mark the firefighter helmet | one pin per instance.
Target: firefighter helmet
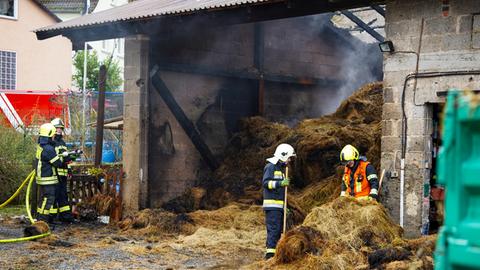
(58, 123)
(284, 151)
(47, 130)
(349, 153)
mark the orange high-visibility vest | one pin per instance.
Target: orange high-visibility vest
(361, 184)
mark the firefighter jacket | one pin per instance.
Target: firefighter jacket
(47, 162)
(273, 192)
(360, 181)
(60, 147)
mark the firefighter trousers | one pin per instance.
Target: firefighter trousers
(62, 205)
(46, 202)
(274, 223)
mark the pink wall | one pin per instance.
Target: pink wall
(45, 64)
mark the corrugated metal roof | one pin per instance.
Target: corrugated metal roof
(68, 6)
(142, 9)
(44, 8)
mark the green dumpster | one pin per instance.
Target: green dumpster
(458, 243)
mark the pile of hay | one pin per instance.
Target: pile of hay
(346, 234)
(154, 222)
(317, 143)
(236, 226)
(98, 205)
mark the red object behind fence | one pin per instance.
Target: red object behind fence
(29, 109)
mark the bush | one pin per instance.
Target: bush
(17, 152)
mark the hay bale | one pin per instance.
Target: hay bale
(37, 228)
(386, 255)
(297, 243)
(151, 222)
(341, 234)
(98, 205)
(345, 219)
(319, 193)
(235, 215)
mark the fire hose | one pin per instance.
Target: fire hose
(28, 180)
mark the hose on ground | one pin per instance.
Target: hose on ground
(28, 180)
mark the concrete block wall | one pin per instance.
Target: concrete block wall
(430, 40)
(136, 119)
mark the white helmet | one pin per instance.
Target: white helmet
(284, 151)
(58, 123)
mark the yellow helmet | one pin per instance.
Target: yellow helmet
(47, 130)
(58, 123)
(349, 153)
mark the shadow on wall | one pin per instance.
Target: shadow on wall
(236, 99)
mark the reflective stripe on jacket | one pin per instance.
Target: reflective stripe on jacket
(47, 162)
(273, 192)
(60, 147)
(364, 181)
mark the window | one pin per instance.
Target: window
(8, 9)
(8, 70)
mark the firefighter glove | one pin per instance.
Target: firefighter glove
(285, 182)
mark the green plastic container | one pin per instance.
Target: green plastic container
(458, 243)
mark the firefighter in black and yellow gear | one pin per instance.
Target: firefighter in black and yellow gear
(46, 172)
(274, 183)
(359, 178)
(62, 205)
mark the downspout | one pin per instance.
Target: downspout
(402, 185)
(404, 128)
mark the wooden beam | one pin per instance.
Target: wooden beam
(249, 75)
(183, 120)
(258, 60)
(363, 25)
(379, 9)
(102, 78)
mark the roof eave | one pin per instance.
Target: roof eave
(231, 15)
(48, 11)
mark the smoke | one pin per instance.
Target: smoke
(359, 62)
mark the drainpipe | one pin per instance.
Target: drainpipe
(402, 186)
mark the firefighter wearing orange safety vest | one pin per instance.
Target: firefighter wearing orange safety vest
(359, 178)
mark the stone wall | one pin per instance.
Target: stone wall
(427, 37)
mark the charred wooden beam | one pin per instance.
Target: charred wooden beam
(258, 61)
(363, 25)
(378, 9)
(249, 75)
(185, 123)
(102, 78)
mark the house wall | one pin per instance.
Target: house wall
(430, 40)
(41, 65)
(299, 47)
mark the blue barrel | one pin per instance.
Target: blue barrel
(108, 156)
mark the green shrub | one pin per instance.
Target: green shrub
(17, 152)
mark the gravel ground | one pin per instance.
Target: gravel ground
(96, 246)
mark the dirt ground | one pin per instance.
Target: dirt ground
(98, 246)
(342, 234)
